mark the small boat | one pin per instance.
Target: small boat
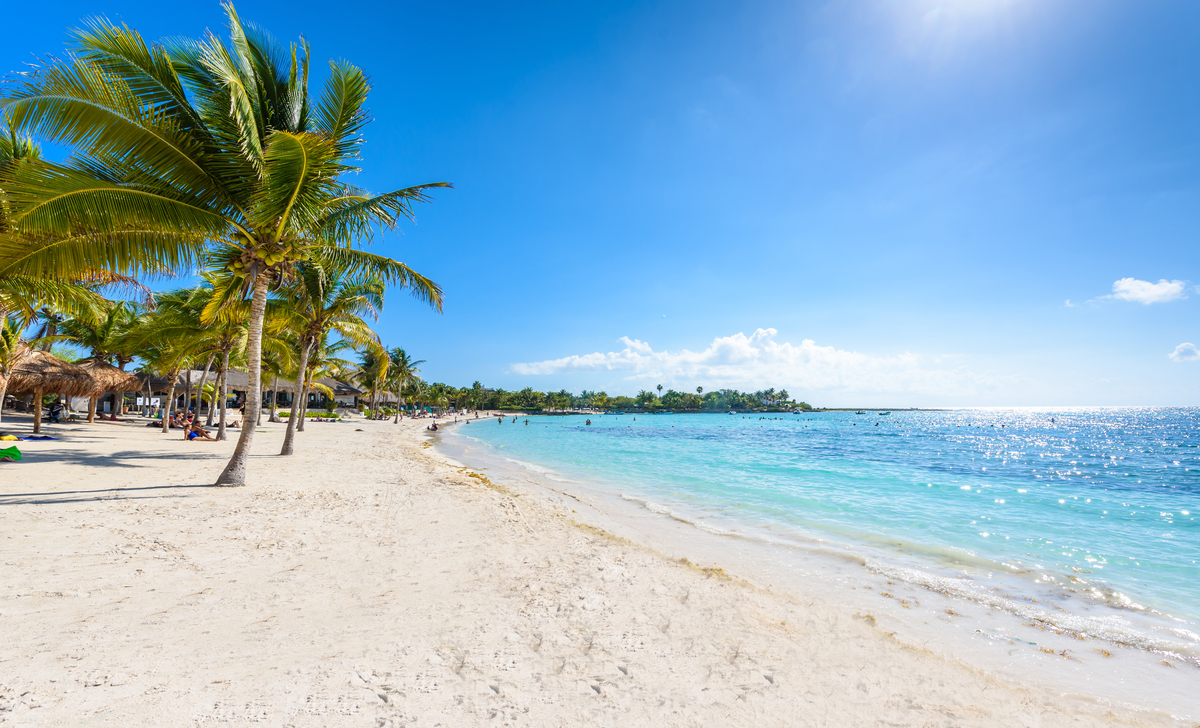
(885, 413)
(860, 412)
(732, 412)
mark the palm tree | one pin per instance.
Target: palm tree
(416, 392)
(182, 314)
(700, 391)
(196, 153)
(403, 370)
(107, 338)
(12, 349)
(278, 360)
(320, 301)
(374, 365)
(167, 355)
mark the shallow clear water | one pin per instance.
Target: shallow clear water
(1098, 503)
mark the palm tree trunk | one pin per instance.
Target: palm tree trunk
(274, 397)
(187, 403)
(225, 394)
(200, 388)
(3, 394)
(91, 409)
(397, 420)
(235, 471)
(300, 373)
(304, 402)
(169, 403)
(37, 412)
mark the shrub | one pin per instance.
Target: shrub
(311, 415)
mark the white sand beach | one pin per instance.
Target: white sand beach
(367, 582)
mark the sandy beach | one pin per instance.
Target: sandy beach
(367, 581)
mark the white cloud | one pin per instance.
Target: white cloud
(1185, 352)
(1131, 289)
(755, 361)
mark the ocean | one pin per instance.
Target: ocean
(1082, 521)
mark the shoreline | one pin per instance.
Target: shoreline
(369, 581)
(843, 573)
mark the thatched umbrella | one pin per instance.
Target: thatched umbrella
(39, 372)
(107, 378)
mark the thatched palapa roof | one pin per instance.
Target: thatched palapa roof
(108, 378)
(42, 371)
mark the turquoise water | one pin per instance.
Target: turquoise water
(1100, 503)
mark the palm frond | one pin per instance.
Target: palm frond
(340, 114)
(393, 272)
(134, 253)
(355, 213)
(47, 199)
(298, 176)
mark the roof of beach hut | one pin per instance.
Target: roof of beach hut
(42, 371)
(108, 378)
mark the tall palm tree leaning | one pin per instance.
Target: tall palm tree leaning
(196, 153)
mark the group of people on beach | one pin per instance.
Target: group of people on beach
(192, 429)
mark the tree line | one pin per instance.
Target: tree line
(478, 397)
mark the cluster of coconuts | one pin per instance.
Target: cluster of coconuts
(267, 255)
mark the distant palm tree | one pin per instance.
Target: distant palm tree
(322, 301)
(404, 370)
(107, 338)
(374, 365)
(700, 390)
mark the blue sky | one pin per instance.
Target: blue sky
(903, 195)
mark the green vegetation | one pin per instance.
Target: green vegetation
(529, 400)
(315, 415)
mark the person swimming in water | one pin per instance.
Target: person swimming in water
(588, 422)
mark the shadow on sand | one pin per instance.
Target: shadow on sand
(80, 496)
